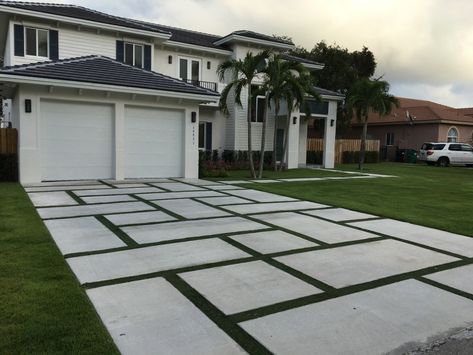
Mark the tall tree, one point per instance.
(242, 74)
(365, 96)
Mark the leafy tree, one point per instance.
(242, 74)
(369, 95)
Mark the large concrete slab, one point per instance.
(76, 235)
(259, 196)
(151, 316)
(66, 187)
(435, 238)
(359, 263)
(190, 209)
(272, 241)
(139, 218)
(133, 262)
(185, 194)
(107, 199)
(274, 207)
(56, 198)
(460, 278)
(177, 186)
(225, 200)
(63, 183)
(126, 191)
(224, 187)
(241, 287)
(190, 229)
(340, 214)
(90, 210)
(198, 182)
(129, 185)
(371, 322)
(231, 182)
(313, 227)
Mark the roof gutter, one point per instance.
(81, 22)
(20, 79)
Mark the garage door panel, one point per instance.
(153, 142)
(76, 140)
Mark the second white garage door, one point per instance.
(154, 142)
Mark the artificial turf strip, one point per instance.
(425, 195)
(42, 307)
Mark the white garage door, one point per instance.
(76, 141)
(154, 142)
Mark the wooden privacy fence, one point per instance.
(342, 145)
(8, 141)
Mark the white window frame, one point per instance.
(189, 67)
(455, 138)
(37, 42)
(134, 53)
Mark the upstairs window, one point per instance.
(389, 138)
(134, 54)
(257, 105)
(452, 135)
(36, 42)
(189, 70)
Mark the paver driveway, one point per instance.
(190, 266)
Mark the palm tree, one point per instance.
(283, 81)
(242, 74)
(365, 96)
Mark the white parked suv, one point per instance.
(444, 154)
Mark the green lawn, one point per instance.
(288, 174)
(427, 195)
(42, 307)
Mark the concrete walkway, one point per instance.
(192, 266)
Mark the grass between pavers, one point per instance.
(42, 307)
(287, 174)
(425, 195)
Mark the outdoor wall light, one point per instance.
(170, 59)
(193, 116)
(28, 105)
(294, 120)
(332, 122)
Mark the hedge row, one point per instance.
(8, 167)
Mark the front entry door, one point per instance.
(279, 144)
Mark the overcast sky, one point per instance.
(424, 48)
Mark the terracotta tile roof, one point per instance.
(422, 110)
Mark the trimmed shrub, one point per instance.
(9, 167)
(314, 157)
(354, 157)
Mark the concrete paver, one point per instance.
(190, 209)
(139, 218)
(376, 321)
(274, 207)
(358, 263)
(241, 287)
(435, 238)
(313, 227)
(460, 278)
(56, 198)
(340, 214)
(151, 316)
(133, 262)
(190, 229)
(76, 235)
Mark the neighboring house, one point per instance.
(416, 122)
(99, 96)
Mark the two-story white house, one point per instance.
(95, 96)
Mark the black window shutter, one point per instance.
(19, 33)
(120, 51)
(208, 136)
(147, 61)
(53, 45)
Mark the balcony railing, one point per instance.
(209, 85)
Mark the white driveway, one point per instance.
(180, 267)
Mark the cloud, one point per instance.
(423, 47)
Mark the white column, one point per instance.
(303, 142)
(293, 141)
(119, 141)
(191, 155)
(329, 136)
